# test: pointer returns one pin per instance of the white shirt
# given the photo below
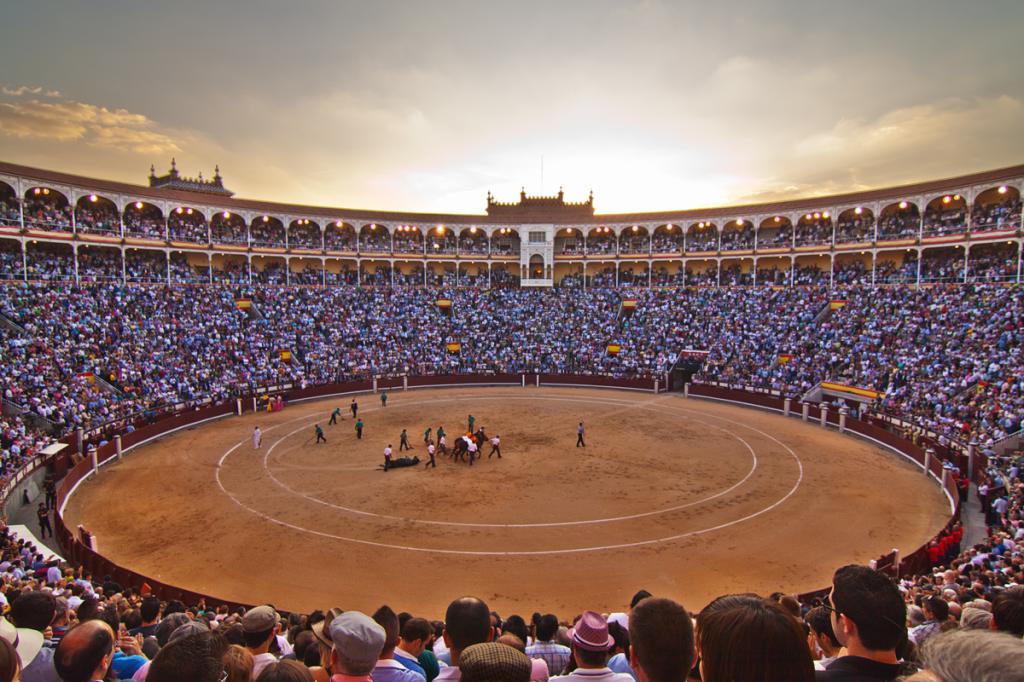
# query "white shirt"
(387, 452)
(449, 673)
(260, 662)
(256, 438)
(495, 441)
(430, 448)
(594, 675)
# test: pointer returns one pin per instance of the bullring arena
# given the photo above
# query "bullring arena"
(677, 496)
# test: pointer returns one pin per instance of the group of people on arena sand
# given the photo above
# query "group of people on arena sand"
(468, 445)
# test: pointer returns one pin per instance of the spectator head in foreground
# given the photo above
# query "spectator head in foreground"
(971, 656)
(285, 671)
(743, 638)
(662, 647)
(1007, 611)
(25, 642)
(466, 622)
(85, 652)
(868, 613)
(590, 640)
(194, 657)
(358, 642)
(494, 662)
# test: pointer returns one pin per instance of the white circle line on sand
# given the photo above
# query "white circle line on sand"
(576, 550)
(552, 524)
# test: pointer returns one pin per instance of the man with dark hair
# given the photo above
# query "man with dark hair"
(387, 668)
(868, 617)
(1008, 611)
(85, 653)
(415, 636)
(259, 628)
(555, 655)
(466, 622)
(936, 612)
(36, 611)
(590, 646)
(197, 658)
(150, 611)
(661, 641)
(822, 638)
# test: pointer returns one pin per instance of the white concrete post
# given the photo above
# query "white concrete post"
(686, 390)
(238, 407)
(117, 446)
(843, 413)
(896, 559)
(95, 460)
(375, 384)
(405, 382)
(523, 377)
(536, 380)
(824, 414)
(80, 438)
(927, 460)
(254, 404)
(655, 385)
(945, 477)
(807, 411)
(787, 405)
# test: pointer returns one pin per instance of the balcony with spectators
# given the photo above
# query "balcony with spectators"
(775, 233)
(993, 262)
(812, 271)
(374, 239)
(409, 274)
(943, 266)
(774, 272)
(47, 210)
(702, 274)
(269, 271)
(408, 240)
(996, 210)
(267, 234)
(10, 206)
(506, 243)
(815, 229)
(373, 274)
(901, 220)
(635, 241)
(304, 233)
(667, 239)
(568, 275)
(473, 242)
(340, 273)
(633, 275)
(50, 262)
(229, 269)
(472, 275)
(738, 235)
(145, 265)
(228, 229)
(601, 242)
(98, 215)
(442, 241)
(945, 216)
(601, 277)
(896, 268)
(855, 226)
(340, 236)
(440, 275)
(852, 270)
(737, 273)
(306, 271)
(185, 270)
(144, 221)
(667, 276)
(99, 264)
(569, 242)
(12, 265)
(701, 237)
(186, 224)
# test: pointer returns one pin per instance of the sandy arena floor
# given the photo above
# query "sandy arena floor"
(685, 498)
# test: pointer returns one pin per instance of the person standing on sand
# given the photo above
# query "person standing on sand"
(334, 416)
(354, 407)
(403, 441)
(359, 429)
(579, 436)
(257, 438)
(320, 435)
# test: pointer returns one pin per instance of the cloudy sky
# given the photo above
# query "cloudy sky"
(428, 105)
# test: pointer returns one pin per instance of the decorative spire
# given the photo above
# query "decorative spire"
(152, 170)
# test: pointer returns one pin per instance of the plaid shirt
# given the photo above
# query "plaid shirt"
(555, 655)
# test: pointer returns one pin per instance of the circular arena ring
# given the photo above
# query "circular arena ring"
(682, 497)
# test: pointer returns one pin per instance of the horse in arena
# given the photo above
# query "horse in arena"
(461, 446)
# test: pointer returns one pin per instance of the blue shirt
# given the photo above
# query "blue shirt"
(620, 664)
(410, 663)
(390, 670)
(126, 666)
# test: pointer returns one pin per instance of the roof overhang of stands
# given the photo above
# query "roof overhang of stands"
(556, 217)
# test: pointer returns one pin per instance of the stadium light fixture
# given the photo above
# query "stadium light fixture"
(180, 210)
(739, 222)
(826, 214)
(138, 205)
(778, 219)
(946, 199)
(226, 215)
(1002, 189)
(337, 223)
(636, 228)
(903, 204)
(956, 197)
(189, 211)
(92, 198)
(858, 210)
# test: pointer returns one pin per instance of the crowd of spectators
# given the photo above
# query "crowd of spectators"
(814, 230)
(855, 227)
(47, 212)
(267, 234)
(339, 239)
(97, 217)
(10, 210)
(144, 221)
(304, 236)
(943, 221)
(737, 238)
(1002, 215)
(904, 223)
(187, 225)
(698, 240)
(230, 230)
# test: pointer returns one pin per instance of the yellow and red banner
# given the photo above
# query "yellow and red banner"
(87, 376)
(243, 303)
(629, 303)
(853, 390)
(286, 355)
(837, 304)
(785, 358)
(444, 303)
(614, 348)
(453, 347)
